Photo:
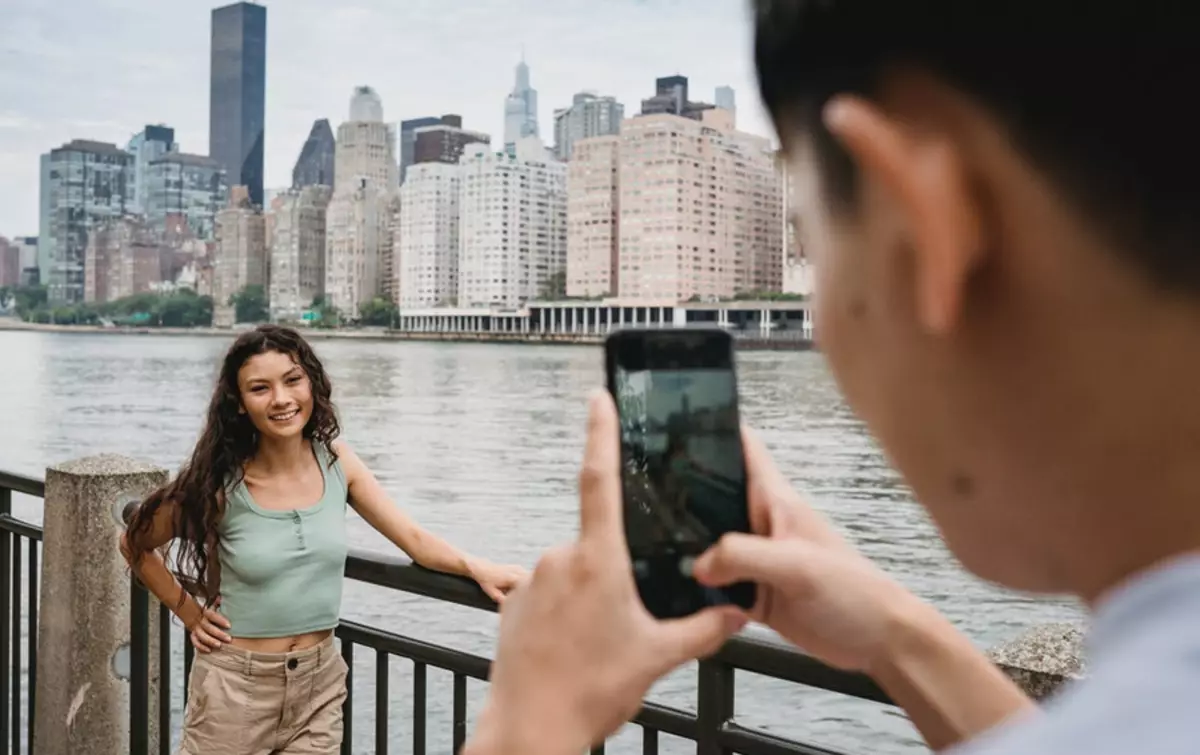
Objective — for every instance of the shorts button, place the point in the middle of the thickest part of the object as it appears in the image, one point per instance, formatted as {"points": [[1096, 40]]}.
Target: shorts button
{"points": [[293, 663]]}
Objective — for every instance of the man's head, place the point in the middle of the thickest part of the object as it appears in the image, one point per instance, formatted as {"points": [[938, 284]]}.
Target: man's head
{"points": [[1000, 197]]}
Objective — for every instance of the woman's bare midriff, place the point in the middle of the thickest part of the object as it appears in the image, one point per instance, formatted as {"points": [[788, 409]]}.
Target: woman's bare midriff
{"points": [[281, 644]]}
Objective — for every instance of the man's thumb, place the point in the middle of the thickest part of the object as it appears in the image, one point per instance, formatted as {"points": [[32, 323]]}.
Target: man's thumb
{"points": [[746, 558], [697, 636]]}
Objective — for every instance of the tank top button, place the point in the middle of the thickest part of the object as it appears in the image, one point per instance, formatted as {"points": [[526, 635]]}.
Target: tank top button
{"points": [[292, 663]]}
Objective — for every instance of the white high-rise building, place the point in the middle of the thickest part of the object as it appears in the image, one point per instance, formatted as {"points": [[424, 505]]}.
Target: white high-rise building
{"points": [[427, 236], [297, 251], [589, 115], [513, 226], [593, 189], [358, 234], [520, 110], [240, 257]]}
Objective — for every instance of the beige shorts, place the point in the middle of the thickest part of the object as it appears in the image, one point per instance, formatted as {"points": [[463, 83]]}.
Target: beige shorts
{"points": [[243, 703]]}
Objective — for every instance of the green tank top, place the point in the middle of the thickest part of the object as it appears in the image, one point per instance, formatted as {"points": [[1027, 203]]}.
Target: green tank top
{"points": [[282, 571]]}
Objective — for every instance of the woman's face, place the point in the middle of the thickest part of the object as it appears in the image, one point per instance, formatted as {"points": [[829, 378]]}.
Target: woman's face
{"points": [[276, 394]]}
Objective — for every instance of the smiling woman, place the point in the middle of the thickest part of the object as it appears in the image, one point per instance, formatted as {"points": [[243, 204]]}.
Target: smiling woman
{"points": [[258, 514]]}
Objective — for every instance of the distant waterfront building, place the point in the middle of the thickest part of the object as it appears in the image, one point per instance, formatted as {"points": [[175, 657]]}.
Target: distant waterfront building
{"points": [[28, 248], [428, 236], [297, 251], [710, 223], [589, 115], [237, 94], [408, 139], [147, 146], [513, 229], [798, 273], [359, 235], [188, 186], [123, 258], [593, 191], [726, 99], [10, 264], [444, 142], [520, 110], [315, 165], [85, 185], [671, 97], [240, 255]]}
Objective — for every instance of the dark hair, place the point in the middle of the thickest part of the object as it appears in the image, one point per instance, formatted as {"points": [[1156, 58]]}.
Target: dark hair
{"points": [[228, 441], [1095, 95]]}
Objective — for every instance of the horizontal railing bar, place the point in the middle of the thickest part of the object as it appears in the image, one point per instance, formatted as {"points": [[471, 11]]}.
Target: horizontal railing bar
{"points": [[9, 523], [447, 659], [402, 574], [22, 484], [778, 661], [752, 742], [756, 656]]}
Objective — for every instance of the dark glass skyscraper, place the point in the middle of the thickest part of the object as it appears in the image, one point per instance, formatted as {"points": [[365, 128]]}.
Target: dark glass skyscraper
{"points": [[315, 165], [238, 94]]}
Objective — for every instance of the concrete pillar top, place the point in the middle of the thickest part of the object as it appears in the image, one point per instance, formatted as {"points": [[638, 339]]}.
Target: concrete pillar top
{"points": [[104, 465]]}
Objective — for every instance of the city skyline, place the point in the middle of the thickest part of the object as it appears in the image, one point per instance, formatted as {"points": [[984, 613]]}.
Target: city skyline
{"points": [[164, 77]]}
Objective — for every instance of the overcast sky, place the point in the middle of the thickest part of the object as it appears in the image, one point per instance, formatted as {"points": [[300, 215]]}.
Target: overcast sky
{"points": [[101, 69]]}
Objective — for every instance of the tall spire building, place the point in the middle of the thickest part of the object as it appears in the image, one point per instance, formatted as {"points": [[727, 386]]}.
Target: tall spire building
{"points": [[520, 110]]}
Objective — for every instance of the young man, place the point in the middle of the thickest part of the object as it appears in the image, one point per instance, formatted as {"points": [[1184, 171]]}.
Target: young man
{"points": [[1001, 201]]}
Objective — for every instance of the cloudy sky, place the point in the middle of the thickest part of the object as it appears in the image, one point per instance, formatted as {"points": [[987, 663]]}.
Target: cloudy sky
{"points": [[101, 69]]}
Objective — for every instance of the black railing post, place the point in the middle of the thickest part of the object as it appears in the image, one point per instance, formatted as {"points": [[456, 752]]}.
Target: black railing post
{"points": [[139, 669], [6, 538], [16, 645], [715, 706]]}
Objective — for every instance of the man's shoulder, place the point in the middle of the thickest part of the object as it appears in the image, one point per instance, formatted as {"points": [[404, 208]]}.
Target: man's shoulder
{"points": [[1124, 710]]}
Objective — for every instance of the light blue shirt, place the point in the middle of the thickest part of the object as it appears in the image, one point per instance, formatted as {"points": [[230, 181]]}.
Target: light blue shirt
{"points": [[1142, 691]]}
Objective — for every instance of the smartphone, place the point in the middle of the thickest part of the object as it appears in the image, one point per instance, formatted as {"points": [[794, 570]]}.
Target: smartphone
{"points": [[683, 473]]}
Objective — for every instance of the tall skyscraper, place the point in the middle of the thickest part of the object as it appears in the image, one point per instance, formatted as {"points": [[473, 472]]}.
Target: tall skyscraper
{"points": [[593, 188], [85, 184], [408, 138], [444, 142], [147, 146], [588, 116], [237, 95], [315, 165], [671, 96], [513, 225], [297, 250], [520, 110], [359, 251], [726, 99]]}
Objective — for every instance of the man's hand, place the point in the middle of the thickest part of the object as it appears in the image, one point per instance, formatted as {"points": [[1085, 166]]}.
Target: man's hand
{"points": [[578, 651], [813, 587]]}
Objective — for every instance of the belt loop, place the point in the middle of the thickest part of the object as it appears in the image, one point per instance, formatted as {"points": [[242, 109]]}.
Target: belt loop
{"points": [[249, 662]]}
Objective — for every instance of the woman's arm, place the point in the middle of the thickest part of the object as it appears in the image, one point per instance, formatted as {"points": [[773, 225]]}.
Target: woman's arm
{"points": [[206, 626], [374, 505]]}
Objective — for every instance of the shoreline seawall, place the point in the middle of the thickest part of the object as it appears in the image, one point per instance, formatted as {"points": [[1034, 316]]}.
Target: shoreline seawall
{"points": [[382, 334]]}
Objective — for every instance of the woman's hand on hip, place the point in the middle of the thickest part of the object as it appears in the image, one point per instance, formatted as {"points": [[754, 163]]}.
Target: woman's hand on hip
{"points": [[208, 632]]}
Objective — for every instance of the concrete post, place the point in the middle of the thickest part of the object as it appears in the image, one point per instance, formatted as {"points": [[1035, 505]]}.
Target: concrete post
{"points": [[83, 636], [1043, 659]]}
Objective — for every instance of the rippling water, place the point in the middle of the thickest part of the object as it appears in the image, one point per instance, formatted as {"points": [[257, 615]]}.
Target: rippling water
{"points": [[481, 443]]}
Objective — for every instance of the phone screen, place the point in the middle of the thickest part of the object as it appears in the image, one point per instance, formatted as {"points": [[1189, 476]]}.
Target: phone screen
{"points": [[683, 472]]}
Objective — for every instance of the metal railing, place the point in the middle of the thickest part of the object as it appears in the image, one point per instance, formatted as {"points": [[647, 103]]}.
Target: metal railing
{"points": [[20, 548], [711, 727]]}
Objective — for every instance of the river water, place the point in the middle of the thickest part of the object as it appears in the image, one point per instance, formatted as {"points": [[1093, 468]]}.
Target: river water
{"points": [[481, 443]]}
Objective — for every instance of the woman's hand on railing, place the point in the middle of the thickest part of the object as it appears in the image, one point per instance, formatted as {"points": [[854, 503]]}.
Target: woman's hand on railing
{"points": [[497, 580]]}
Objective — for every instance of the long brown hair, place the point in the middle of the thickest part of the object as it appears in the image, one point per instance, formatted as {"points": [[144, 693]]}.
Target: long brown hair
{"points": [[228, 442]]}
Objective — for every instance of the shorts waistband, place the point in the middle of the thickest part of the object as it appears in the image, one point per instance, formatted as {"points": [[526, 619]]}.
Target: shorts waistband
{"points": [[271, 664]]}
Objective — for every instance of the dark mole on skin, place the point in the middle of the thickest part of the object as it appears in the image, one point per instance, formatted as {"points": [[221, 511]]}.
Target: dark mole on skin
{"points": [[858, 308], [962, 485]]}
